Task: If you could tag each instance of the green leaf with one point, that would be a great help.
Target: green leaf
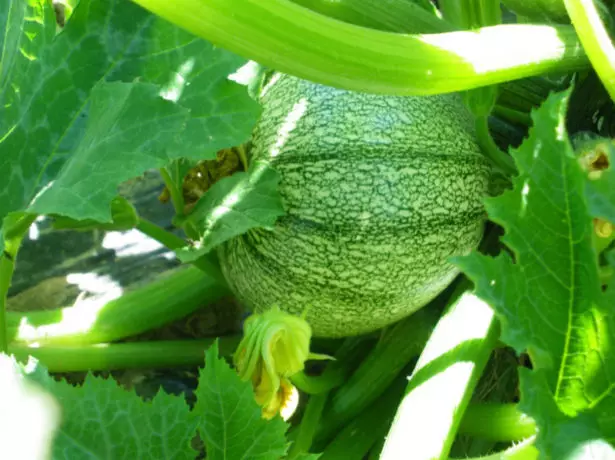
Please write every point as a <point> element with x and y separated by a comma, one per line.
<point>130,129</point>
<point>27,28</point>
<point>233,206</point>
<point>229,418</point>
<point>48,98</point>
<point>548,295</point>
<point>102,420</point>
<point>123,214</point>
<point>570,438</point>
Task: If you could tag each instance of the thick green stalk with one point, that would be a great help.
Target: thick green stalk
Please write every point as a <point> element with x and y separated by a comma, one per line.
<point>347,357</point>
<point>309,422</point>
<point>472,14</point>
<point>452,11</point>
<point>355,440</point>
<point>175,191</point>
<point>394,16</point>
<point>497,422</point>
<point>207,264</point>
<point>523,451</point>
<point>132,355</point>
<point>443,381</point>
<point>595,39</point>
<point>512,115</point>
<point>319,384</point>
<point>295,40</point>
<point>396,348</point>
<point>159,234</point>
<point>160,302</point>
<point>18,225</point>
<point>7,266</point>
<point>498,157</point>
<point>14,228</point>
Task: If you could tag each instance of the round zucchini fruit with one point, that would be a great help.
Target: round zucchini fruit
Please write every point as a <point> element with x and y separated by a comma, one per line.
<point>379,193</point>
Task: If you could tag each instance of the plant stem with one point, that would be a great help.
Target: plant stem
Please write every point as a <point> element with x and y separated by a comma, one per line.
<point>360,434</point>
<point>595,39</point>
<point>606,273</point>
<point>307,428</point>
<point>169,298</point>
<point>159,234</point>
<point>396,348</point>
<point>523,451</point>
<point>347,357</point>
<point>497,422</point>
<point>177,198</point>
<point>394,16</point>
<point>287,37</point>
<point>512,115</point>
<point>444,379</point>
<point>452,11</point>
<point>489,148</point>
<point>6,273</point>
<point>16,226</point>
<point>320,384</point>
<point>472,14</point>
<point>104,356</point>
<point>208,264</point>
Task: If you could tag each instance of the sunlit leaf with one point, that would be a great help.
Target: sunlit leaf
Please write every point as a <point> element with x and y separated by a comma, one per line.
<point>48,98</point>
<point>548,294</point>
<point>233,206</point>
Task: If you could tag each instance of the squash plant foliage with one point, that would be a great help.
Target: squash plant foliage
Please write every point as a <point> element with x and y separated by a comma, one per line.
<point>114,88</point>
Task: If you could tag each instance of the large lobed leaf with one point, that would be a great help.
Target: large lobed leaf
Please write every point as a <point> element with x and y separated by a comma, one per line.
<point>101,420</point>
<point>230,421</point>
<point>548,294</point>
<point>70,135</point>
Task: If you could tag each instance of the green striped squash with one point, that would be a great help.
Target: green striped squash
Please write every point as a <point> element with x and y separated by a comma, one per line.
<point>379,191</point>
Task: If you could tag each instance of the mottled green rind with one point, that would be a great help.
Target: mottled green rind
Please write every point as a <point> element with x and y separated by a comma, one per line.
<point>379,193</point>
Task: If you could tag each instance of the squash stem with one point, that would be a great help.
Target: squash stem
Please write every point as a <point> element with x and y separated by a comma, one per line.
<point>499,158</point>
<point>19,226</point>
<point>6,273</point>
<point>512,115</point>
<point>595,39</point>
<point>525,450</point>
<point>330,379</point>
<point>207,264</point>
<point>105,356</point>
<point>393,15</point>
<point>171,297</point>
<point>284,36</point>
<point>444,379</point>
<point>363,432</point>
<point>309,422</point>
<point>175,191</point>
<point>396,348</point>
<point>497,422</point>
<point>472,14</point>
<point>16,226</point>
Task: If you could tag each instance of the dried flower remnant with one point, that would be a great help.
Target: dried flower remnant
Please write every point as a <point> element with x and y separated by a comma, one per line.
<point>594,157</point>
